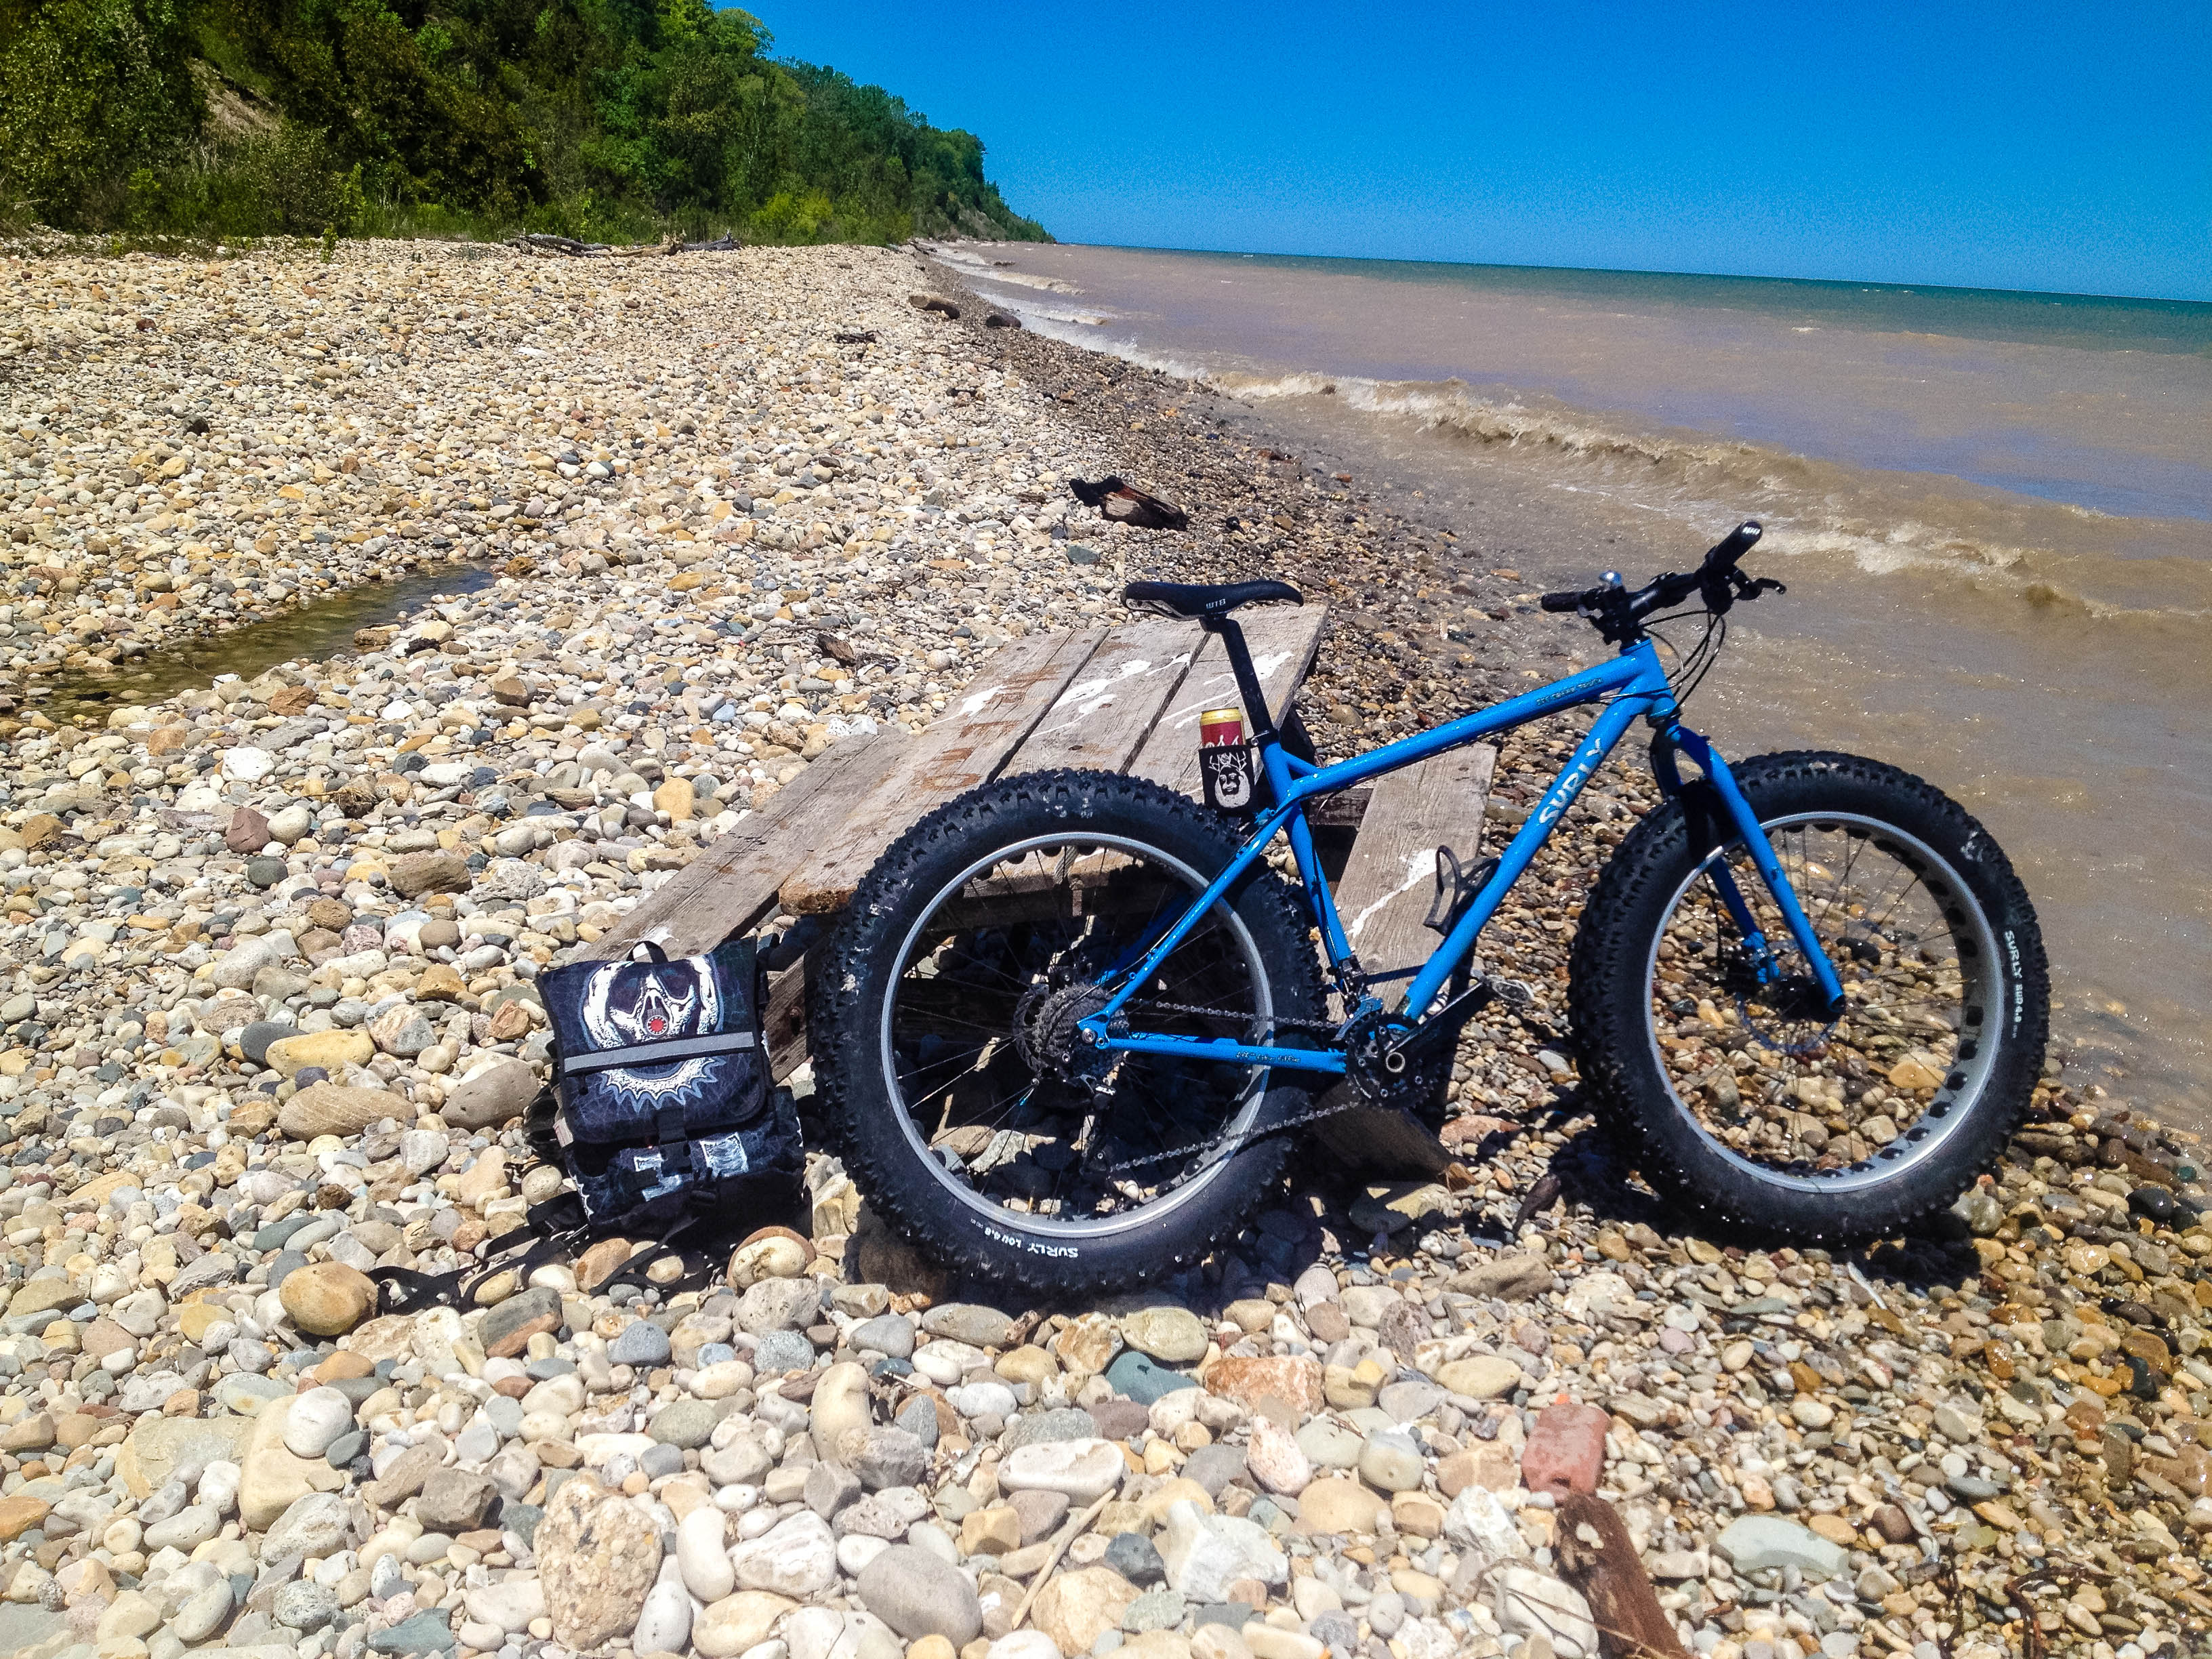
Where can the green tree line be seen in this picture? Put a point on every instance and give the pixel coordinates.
(602, 119)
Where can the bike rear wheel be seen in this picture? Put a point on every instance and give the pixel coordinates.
(965, 1104)
(1751, 1101)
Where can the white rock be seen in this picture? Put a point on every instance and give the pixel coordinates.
(316, 1418)
(1531, 1604)
(509, 1604)
(1085, 1470)
(856, 1550)
(1477, 1520)
(1207, 1553)
(664, 1624)
(797, 1558)
(944, 1361)
(247, 764)
(703, 1554)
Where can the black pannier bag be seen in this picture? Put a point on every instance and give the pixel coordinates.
(664, 1107)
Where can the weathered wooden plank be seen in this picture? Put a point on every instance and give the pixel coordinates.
(965, 746)
(732, 882)
(1282, 643)
(1102, 719)
(1390, 881)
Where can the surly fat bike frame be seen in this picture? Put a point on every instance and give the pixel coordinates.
(1633, 684)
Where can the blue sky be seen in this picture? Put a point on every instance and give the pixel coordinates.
(2005, 145)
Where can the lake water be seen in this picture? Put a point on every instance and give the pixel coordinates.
(1994, 512)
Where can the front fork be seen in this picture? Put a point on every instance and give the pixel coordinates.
(1673, 736)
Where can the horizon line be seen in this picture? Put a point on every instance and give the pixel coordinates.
(1643, 270)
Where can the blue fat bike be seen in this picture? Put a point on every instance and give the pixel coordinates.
(1074, 1019)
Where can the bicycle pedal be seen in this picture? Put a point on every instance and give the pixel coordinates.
(1456, 886)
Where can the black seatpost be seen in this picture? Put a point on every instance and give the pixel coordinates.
(1261, 724)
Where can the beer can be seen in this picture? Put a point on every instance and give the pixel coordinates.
(1217, 726)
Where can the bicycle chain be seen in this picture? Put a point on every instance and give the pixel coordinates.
(1326, 1028)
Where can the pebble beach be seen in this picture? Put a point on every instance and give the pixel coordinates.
(267, 1019)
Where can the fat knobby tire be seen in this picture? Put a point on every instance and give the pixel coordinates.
(1609, 996)
(846, 1006)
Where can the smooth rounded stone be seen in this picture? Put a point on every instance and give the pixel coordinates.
(1275, 1459)
(1480, 1376)
(599, 1554)
(1061, 1423)
(328, 1299)
(856, 1549)
(486, 1099)
(841, 1408)
(316, 1418)
(1173, 1335)
(1330, 1444)
(702, 1553)
(1391, 1461)
(1338, 1506)
(1140, 1377)
(342, 1451)
(782, 1350)
(1753, 1543)
(771, 1253)
(687, 1424)
(797, 1557)
(664, 1624)
(886, 1333)
(944, 1361)
(970, 1323)
(419, 1633)
(305, 1606)
(661, 1459)
(918, 1594)
(981, 1400)
(1081, 1470)
(640, 1343)
(331, 1109)
(202, 1613)
(253, 1039)
(1506, 1279)
(507, 1604)
(1408, 1402)
(1530, 1603)
(1119, 1420)
(186, 1530)
(1132, 1555)
(1386, 1613)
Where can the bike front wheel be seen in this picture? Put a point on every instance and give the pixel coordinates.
(1747, 1098)
(967, 1106)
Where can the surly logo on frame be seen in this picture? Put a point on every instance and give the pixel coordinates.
(628, 1003)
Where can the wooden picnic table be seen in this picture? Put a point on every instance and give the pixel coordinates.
(1125, 699)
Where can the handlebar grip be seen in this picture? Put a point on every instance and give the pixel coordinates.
(1739, 542)
(1561, 602)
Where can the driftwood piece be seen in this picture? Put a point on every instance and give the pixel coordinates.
(1596, 1556)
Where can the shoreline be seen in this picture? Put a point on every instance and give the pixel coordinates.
(267, 1019)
